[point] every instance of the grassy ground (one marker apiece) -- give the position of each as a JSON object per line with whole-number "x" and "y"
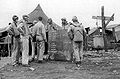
{"x": 105, "y": 67}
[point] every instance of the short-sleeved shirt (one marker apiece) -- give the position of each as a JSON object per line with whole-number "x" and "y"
{"x": 39, "y": 30}
{"x": 24, "y": 28}
{"x": 50, "y": 27}
{"x": 66, "y": 27}
{"x": 13, "y": 29}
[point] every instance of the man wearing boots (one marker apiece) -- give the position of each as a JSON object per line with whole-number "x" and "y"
{"x": 25, "y": 35}
{"x": 13, "y": 31}
{"x": 40, "y": 33}
{"x": 77, "y": 29}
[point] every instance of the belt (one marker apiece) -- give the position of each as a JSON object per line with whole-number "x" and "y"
{"x": 38, "y": 35}
{"x": 17, "y": 36}
{"x": 39, "y": 40}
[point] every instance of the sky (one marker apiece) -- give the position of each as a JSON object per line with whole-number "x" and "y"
{"x": 57, "y": 9}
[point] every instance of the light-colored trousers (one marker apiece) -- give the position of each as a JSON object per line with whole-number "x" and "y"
{"x": 33, "y": 49}
{"x": 78, "y": 50}
{"x": 16, "y": 50}
{"x": 25, "y": 49}
{"x": 40, "y": 49}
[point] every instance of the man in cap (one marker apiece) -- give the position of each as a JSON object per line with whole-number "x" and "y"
{"x": 65, "y": 24}
{"x": 25, "y": 34}
{"x": 77, "y": 29}
{"x": 39, "y": 32}
{"x": 13, "y": 31}
{"x": 49, "y": 27}
{"x": 66, "y": 46}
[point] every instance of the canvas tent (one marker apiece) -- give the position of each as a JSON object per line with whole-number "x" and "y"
{"x": 57, "y": 39}
{"x": 4, "y": 37}
{"x": 39, "y": 12}
{"x": 36, "y": 13}
{"x": 5, "y": 41}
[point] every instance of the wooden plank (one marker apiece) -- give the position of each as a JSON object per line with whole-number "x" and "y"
{"x": 110, "y": 19}
{"x": 100, "y": 18}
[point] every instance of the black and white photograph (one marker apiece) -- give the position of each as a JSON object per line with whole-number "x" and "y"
{"x": 59, "y": 39}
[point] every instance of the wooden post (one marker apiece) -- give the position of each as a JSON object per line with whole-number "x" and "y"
{"x": 86, "y": 38}
{"x": 103, "y": 28}
{"x": 113, "y": 30}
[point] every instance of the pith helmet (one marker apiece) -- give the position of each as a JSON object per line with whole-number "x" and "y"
{"x": 74, "y": 18}
{"x": 63, "y": 19}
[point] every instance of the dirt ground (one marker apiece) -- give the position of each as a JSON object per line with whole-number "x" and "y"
{"x": 91, "y": 68}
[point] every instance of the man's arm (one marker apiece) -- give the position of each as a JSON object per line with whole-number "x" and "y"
{"x": 20, "y": 28}
{"x": 70, "y": 28}
{"x": 54, "y": 28}
{"x": 10, "y": 32}
{"x": 83, "y": 29}
{"x": 10, "y": 29}
{"x": 34, "y": 30}
{"x": 46, "y": 28}
{"x": 44, "y": 32}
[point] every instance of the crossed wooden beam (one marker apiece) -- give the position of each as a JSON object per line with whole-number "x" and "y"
{"x": 103, "y": 18}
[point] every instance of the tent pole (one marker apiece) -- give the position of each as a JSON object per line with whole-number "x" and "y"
{"x": 8, "y": 46}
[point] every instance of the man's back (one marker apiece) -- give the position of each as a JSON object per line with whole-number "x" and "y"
{"x": 78, "y": 32}
{"x": 39, "y": 30}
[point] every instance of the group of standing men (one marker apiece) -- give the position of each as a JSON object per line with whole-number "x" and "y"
{"x": 38, "y": 33}
{"x": 75, "y": 33}
{"x": 21, "y": 34}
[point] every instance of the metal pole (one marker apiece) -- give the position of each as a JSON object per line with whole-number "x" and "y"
{"x": 103, "y": 28}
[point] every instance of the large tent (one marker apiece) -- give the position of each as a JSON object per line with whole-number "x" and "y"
{"x": 39, "y": 12}
{"x": 58, "y": 39}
